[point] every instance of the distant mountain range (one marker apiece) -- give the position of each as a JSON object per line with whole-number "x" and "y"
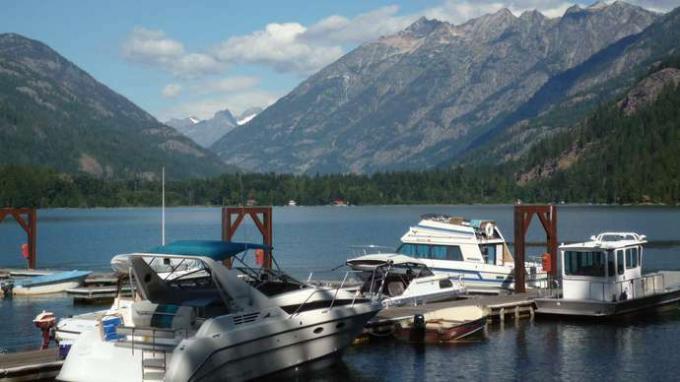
{"x": 206, "y": 132}
{"x": 437, "y": 94}
{"x": 54, "y": 114}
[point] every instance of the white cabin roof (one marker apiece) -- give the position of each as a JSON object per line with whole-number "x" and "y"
{"x": 379, "y": 259}
{"x": 608, "y": 240}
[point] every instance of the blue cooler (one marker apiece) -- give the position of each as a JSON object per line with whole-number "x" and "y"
{"x": 64, "y": 347}
{"x": 109, "y": 325}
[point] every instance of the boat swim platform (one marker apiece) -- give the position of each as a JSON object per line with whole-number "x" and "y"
{"x": 501, "y": 307}
{"x": 34, "y": 365}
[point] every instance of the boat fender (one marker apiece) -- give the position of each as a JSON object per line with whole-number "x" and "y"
{"x": 488, "y": 230}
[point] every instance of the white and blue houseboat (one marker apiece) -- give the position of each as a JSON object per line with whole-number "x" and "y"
{"x": 472, "y": 250}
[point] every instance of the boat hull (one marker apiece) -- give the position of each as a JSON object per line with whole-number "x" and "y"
{"x": 439, "y": 332}
{"x": 587, "y": 308}
{"x": 240, "y": 354}
{"x": 46, "y": 288}
{"x": 270, "y": 354}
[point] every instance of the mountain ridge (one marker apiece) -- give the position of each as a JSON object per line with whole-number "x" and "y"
{"x": 417, "y": 98}
{"x": 54, "y": 113}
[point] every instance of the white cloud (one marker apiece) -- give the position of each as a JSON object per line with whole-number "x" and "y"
{"x": 171, "y": 90}
{"x": 153, "y": 47}
{"x": 364, "y": 27}
{"x": 280, "y": 47}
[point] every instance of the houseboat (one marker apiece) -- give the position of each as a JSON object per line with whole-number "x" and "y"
{"x": 472, "y": 250}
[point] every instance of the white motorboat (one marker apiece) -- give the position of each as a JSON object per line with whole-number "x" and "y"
{"x": 45, "y": 284}
{"x": 228, "y": 324}
{"x": 402, "y": 280}
{"x": 474, "y": 250}
{"x": 603, "y": 277}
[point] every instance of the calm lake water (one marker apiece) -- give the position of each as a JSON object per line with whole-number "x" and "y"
{"x": 318, "y": 238}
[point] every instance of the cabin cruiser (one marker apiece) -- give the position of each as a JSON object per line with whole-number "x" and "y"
{"x": 215, "y": 323}
{"x": 403, "y": 280}
{"x": 474, "y": 250}
{"x": 603, "y": 277}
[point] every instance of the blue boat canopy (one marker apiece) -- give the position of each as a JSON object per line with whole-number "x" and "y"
{"x": 214, "y": 249}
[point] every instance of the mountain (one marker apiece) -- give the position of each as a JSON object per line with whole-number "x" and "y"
{"x": 426, "y": 95}
{"x": 54, "y": 114}
{"x": 623, "y": 152}
{"x": 571, "y": 95}
{"x": 205, "y": 132}
{"x": 248, "y": 114}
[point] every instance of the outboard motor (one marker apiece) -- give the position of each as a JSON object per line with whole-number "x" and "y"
{"x": 418, "y": 332}
{"x": 7, "y": 288}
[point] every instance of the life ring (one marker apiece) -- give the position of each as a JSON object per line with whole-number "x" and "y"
{"x": 488, "y": 230}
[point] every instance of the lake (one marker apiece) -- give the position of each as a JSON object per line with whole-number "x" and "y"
{"x": 317, "y": 239}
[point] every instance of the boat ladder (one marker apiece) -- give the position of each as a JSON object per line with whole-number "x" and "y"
{"x": 154, "y": 345}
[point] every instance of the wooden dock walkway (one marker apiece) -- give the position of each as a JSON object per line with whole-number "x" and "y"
{"x": 35, "y": 365}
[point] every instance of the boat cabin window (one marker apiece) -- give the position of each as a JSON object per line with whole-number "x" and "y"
{"x": 435, "y": 252}
{"x": 489, "y": 253}
{"x": 611, "y": 267}
{"x": 631, "y": 258}
{"x": 619, "y": 261}
{"x": 584, "y": 263}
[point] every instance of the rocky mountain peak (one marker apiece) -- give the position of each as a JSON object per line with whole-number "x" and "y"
{"x": 421, "y": 27}
{"x": 225, "y": 115}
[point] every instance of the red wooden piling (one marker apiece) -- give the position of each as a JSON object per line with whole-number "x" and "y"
{"x": 29, "y": 223}
{"x": 547, "y": 214}
{"x": 261, "y": 216}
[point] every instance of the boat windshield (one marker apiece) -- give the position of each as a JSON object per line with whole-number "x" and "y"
{"x": 268, "y": 281}
{"x": 394, "y": 279}
{"x": 194, "y": 286}
{"x": 584, "y": 263}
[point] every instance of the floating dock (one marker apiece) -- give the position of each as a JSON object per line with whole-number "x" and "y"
{"x": 98, "y": 288}
{"x": 33, "y": 365}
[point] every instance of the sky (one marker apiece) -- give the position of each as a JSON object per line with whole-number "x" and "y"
{"x": 179, "y": 58}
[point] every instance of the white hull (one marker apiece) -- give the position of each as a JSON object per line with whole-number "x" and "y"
{"x": 45, "y": 289}
{"x": 484, "y": 277}
{"x": 247, "y": 352}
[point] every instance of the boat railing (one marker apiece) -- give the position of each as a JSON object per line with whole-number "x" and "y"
{"x": 335, "y": 294}
{"x": 622, "y": 290}
{"x": 370, "y": 249}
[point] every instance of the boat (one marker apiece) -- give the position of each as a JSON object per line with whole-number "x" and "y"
{"x": 215, "y": 323}
{"x": 603, "y": 277}
{"x": 441, "y": 326}
{"x": 402, "y": 280}
{"x": 46, "y": 284}
{"x": 292, "y": 203}
{"x": 473, "y": 250}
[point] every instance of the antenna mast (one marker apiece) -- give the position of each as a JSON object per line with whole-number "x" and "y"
{"x": 163, "y": 207}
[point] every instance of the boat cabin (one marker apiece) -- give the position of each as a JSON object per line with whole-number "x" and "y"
{"x": 440, "y": 237}
{"x": 606, "y": 268}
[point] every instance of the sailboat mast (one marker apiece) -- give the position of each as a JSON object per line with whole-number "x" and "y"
{"x": 163, "y": 207}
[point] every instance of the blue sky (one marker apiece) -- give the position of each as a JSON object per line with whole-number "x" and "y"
{"x": 177, "y": 58}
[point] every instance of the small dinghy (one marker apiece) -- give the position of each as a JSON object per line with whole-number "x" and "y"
{"x": 52, "y": 283}
{"x": 442, "y": 326}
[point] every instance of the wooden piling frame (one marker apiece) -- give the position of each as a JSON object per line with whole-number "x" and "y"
{"x": 28, "y": 220}
{"x": 547, "y": 214}
{"x": 232, "y": 217}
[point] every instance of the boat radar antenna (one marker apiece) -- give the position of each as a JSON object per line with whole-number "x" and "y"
{"x": 163, "y": 206}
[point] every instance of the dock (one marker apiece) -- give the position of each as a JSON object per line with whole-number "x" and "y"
{"x": 98, "y": 288}
{"x": 33, "y": 365}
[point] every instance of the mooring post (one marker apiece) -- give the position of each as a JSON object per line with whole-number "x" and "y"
{"x": 30, "y": 226}
{"x": 520, "y": 232}
{"x": 261, "y": 216}
{"x": 547, "y": 214}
